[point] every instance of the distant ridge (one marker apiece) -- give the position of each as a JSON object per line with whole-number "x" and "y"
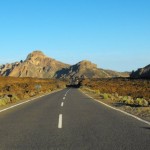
{"x": 141, "y": 73}
{"x": 88, "y": 70}
{"x": 38, "y": 65}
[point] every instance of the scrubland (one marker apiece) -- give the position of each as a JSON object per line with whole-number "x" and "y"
{"x": 14, "y": 89}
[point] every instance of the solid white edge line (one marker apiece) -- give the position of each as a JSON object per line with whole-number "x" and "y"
{"x": 27, "y": 101}
{"x": 60, "y": 121}
{"x": 62, "y": 104}
{"x": 126, "y": 113}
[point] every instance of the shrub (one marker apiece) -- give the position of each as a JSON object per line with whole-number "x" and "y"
{"x": 129, "y": 102}
{"x": 11, "y": 98}
{"x": 104, "y": 96}
{"x": 38, "y": 87}
{"x": 5, "y": 100}
{"x": 124, "y": 99}
{"x": 116, "y": 94}
{"x": 14, "y": 98}
{"x": 141, "y": 102}
{"x": 32, "y": 93}
{"x": 96, "y": 92}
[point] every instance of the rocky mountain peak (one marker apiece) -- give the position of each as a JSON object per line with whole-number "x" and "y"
{"x": 86, "y": 64}
{"x": 35, "y": 54}
{"x": 36, "y": 65}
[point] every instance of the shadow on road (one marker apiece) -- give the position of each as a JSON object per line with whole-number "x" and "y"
{"x": 147, "y": 128}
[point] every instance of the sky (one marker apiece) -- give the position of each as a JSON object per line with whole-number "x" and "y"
{"x": 114, "y": 34}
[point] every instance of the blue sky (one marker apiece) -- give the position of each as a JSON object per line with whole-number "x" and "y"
{"x": 115, "y": 34}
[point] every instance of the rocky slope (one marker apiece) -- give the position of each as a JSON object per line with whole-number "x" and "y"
{"x": 87, "y": 69}
{"x": 141, "y": 73}
{"x": 36, "y": 65}
{"x": 40, "y": 66}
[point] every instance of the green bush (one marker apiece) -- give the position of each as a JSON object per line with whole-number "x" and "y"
{"x": 97, "y": 92}
{"x": 5, "y": 100}
{"x": 14, "y": 98}
{"x": 124, "y": 99}
{"x": 141, "y": 102}
{"x": 104, "y": 96}
{"x": 129, "y": 102}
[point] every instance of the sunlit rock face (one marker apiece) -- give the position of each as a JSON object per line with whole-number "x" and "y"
{"x": 35, "y": 65}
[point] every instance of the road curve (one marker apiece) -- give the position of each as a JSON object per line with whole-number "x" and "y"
{"x": 69, "y": 120}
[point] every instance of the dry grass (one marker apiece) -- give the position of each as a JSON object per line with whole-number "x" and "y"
{"x": 123, "y": 87}
{"x": 14, "y": 89}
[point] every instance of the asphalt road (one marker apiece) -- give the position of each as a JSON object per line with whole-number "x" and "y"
{"x": 70, "y": 121}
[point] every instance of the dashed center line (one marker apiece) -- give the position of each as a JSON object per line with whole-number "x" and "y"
{"x": 60, "y": 121}
{"x": 67, "y": 92}
{"x": 62, "y": 104}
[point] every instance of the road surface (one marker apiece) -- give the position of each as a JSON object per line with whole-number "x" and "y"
{"x": 69, "y": 120}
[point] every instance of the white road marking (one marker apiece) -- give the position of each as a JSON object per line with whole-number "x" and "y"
{"x": 67, "y": 92}
{"x": 26, "y": 101}
{"x": 62, "y": 104}
{"x": 60, "y": 121}
{"x": 144, "y": 121}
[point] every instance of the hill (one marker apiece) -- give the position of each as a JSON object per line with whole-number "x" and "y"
{"x": 141, "y": 73}
{"x": 87, "y": 69}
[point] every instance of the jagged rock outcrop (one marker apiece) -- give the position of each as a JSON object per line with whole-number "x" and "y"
{"x": 141, "y": 73}
{"x": 6, "y": 69}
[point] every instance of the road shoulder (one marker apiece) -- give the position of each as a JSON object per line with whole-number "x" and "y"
{"x": 108, "y": 104}
{"x": 21, "y": 102}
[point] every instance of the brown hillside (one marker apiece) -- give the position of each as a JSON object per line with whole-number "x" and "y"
{"x": 88, "y": 70}
{"x": 35, "y": 65}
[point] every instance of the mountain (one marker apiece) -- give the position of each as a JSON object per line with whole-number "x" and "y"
{"x": 88, "y": 70}
{"x": 117, "y": 74}
{"x": 141, "y": 73}
{"x": 38, "y": 65}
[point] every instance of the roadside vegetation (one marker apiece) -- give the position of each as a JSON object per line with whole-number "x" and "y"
{"x": 14, "y": 89}
{"x": 128, "y": 94}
